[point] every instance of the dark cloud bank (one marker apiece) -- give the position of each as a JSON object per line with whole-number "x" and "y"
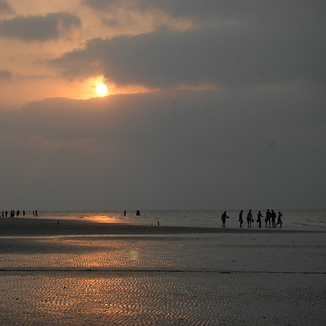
{"x": 246, "y": 53}
{"x": 222, "y": 9}
{"x": 5, "y": 8}
{"x": 39, "y": 28}
{"x": 167, "y": 150}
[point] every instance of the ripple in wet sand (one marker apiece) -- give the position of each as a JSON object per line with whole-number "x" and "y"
{"x": 102, "y": 298}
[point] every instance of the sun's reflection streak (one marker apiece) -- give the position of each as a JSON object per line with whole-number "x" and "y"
{"x": 97, "y": 252}
{"x": 120, "y": 299}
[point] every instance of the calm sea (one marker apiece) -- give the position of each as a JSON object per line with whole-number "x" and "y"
{"x": 293, "y": 219}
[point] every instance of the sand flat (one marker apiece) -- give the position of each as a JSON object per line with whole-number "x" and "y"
{"x": 84, "y": 273}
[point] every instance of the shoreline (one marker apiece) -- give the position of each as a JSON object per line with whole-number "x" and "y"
{"x": 23, "y": 226}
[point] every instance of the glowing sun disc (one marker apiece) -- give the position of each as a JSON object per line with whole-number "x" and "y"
{"x": 101, "y": 89}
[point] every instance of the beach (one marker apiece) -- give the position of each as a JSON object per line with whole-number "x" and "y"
{"x": 75, "y": 272}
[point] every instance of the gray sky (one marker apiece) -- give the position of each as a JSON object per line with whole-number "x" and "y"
{"x": 211, "y": 105}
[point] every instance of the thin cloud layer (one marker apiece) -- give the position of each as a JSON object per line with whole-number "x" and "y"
{"x": 39, "y": 28}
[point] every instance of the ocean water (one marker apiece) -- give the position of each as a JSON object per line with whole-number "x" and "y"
{"x": 292, "y": 219}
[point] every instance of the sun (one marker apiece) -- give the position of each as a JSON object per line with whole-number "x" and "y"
{"x": 101, "y": 89}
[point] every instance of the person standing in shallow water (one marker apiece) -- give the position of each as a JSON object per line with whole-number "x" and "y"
{"x": 249, "y": 218}
{"x": 223, "y": 218}
{"x": 240, "y": 218}
{"x": 259, "y": 216}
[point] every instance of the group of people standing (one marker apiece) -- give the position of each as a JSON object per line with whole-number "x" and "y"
{"x": 270, "y": 218}
{"x": 12, "y": 213}
{"x": 17, "y": 213}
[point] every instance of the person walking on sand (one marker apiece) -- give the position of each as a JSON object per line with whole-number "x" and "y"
{"x": 240, "y": 218}
{"x": 268, "y": 219}
{"x": 223, "y": 218}
{"x": 249, "y": 218}
{"x": 259, "y": 216}
{"x": 273, "y": 216}
{"x": 279, "y": 219}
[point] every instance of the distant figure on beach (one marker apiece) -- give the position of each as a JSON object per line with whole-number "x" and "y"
{"x": 240, "y": 218}
{"x": 137, "y": 212}
{"x": 124, "y": 213}
{"x": 279, "y": 219}
{"x": 259, "y": 216}
{"x": 223, "y": 218}
{"x": 24, "y": 213}
{"x": 36, "y": 213}
{"x": 273, "y": 216}
{"x": 268, "y": 219}
{"x": 249, "y": 218}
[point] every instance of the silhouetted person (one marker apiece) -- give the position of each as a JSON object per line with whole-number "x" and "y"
{"x": 259, "y": 216}
{"x": 23, "y": 213}
{"x": 279, "y": 219}
{"x": 249, "y": 218}
{"x": 273, "y": 216}
{"x": 268, "y": 218}
{"x": 223, "y": 218}
{"x": 124, "y": 213}
{"x": 36, "y": 213}
{"x": 137, "y": 212}
{"x": 240, "y": 218}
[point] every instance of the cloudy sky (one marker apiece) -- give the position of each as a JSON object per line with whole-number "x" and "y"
{"x": 211, "y": 104}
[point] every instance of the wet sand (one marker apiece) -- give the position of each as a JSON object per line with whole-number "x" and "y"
{"x": 84, "y": 273}
{"x": 48, "y": 227}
